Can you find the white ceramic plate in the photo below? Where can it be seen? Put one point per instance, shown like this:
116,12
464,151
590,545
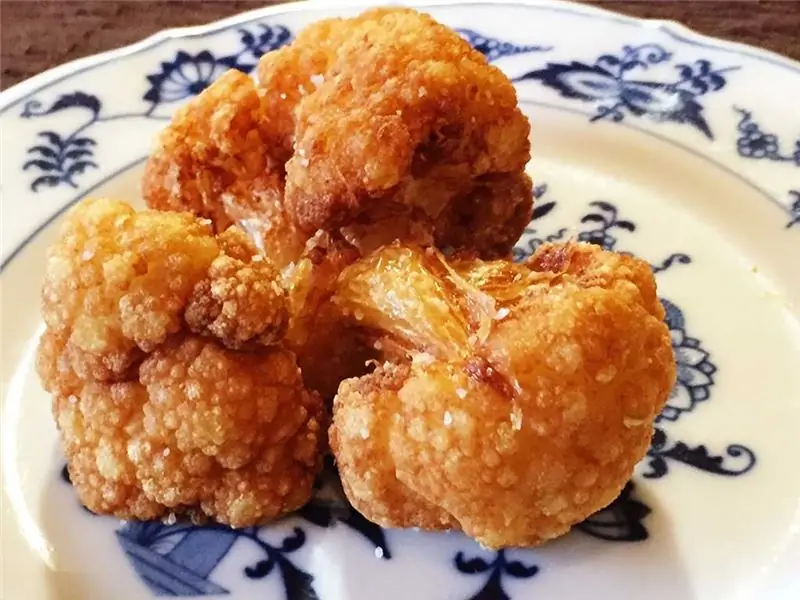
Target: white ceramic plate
648,138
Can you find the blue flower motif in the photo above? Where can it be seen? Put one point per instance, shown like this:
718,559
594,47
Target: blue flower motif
493,48
608,84
755,143
497,569
695,370
187,75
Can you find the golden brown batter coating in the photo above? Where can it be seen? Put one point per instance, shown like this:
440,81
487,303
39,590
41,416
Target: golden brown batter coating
220,159
522,413
155,419
117,283
408,114
388,125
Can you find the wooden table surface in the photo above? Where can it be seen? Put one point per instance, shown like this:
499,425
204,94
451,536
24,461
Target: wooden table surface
38,35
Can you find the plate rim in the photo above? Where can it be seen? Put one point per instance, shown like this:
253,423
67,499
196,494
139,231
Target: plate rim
20,92
682,33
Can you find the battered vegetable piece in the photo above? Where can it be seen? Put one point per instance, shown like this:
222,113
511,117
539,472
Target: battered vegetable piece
172,390
382,127
408,114
517,398
222,158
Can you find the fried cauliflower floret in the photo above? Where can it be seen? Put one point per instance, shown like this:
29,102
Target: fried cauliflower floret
381,127
234,434
221,158
241,301
117,282
408,114
209,416
522,412
364,405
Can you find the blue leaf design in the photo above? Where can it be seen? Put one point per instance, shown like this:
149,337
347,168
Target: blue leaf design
34,108
557,77
621,521
260,570
77,153
297,584
517,569
43,165
540,210
43,151
609,84
82,142
53,138
294,541
493,48
471,566
48,180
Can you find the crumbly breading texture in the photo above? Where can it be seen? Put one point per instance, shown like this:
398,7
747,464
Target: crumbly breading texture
117,282
408,114
534,424
389,120
192,423
222,158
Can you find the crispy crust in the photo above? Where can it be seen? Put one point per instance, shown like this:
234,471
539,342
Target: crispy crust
158,409
518,433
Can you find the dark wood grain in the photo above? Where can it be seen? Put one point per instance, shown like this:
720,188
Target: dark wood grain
38,35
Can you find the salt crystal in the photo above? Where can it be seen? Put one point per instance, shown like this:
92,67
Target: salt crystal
317,79
424,359
166,452
461,393
378,552
448,418
516,420
364,433
304,162
283,96
87,254
502,314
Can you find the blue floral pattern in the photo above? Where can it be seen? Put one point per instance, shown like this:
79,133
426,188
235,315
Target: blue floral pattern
608,83
61,157
188,75
177,560
757,144
695,378
695,369
496,569
494,49
620,521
